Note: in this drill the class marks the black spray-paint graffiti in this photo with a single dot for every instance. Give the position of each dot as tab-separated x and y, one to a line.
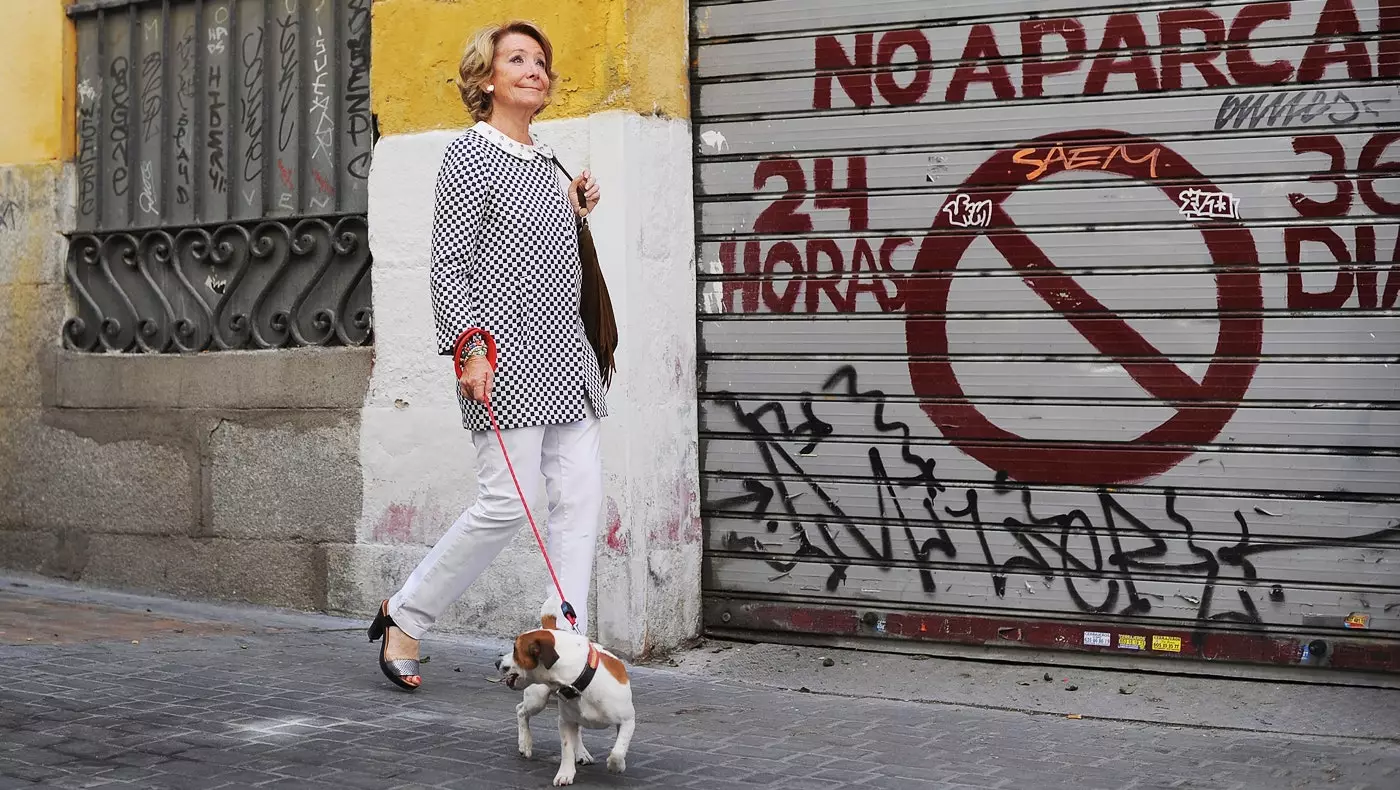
7	214
359	122
914	499
251	109
121	108
1282	110
184	98
287	82
152	95
87	159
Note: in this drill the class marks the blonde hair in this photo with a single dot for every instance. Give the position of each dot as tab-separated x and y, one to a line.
479	59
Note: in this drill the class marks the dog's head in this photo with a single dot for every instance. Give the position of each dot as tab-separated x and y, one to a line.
530	660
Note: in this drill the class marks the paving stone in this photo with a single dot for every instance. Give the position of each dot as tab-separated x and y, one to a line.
309	709
28	772
31	755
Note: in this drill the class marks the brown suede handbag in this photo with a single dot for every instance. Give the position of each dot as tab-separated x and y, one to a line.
595	305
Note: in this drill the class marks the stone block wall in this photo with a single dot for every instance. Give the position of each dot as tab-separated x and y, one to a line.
225	475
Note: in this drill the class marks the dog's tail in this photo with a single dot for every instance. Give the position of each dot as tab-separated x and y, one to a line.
549	613
553	615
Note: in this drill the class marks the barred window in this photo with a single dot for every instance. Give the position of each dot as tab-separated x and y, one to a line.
223	151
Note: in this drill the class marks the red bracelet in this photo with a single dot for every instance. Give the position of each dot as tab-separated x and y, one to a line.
461	343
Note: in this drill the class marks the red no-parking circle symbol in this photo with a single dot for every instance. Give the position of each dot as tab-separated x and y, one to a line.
1240	299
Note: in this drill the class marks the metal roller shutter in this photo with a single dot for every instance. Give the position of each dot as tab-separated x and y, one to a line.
1053	323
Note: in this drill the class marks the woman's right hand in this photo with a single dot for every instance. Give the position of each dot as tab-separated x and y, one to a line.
476	379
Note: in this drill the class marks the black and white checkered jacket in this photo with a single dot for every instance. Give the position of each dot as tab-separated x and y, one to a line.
505	259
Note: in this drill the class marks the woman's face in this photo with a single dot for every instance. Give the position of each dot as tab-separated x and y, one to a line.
518	73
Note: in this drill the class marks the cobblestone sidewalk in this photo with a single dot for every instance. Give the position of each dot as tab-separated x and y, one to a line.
200	705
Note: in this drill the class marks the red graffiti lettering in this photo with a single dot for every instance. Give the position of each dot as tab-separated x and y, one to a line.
857	76
1388	50
1371	162
786	281
816	250
1212	29
1243	67
783	215
1365	270
856	200
1034	69
831	57
893	92
1122	32
1368	164
879	283
1300	299
1356	275
784	252
747	288
1340	204
1192	40
981	49
785	275
1338	18
1392	281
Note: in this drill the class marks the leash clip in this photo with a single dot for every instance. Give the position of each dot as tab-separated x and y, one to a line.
570	615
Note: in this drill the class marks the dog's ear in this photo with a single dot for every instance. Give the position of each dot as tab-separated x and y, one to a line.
535	648
544	650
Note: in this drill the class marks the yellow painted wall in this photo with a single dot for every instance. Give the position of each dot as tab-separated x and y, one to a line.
658	56
609	54
39	47
35	137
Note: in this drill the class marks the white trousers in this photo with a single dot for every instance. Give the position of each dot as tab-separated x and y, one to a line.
567	459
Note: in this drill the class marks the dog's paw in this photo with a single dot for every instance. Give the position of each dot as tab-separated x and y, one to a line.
617	763
526	744
584	758
565	776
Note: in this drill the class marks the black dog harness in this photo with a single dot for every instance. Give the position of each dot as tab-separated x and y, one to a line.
575	690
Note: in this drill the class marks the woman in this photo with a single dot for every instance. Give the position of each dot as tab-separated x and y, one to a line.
505	259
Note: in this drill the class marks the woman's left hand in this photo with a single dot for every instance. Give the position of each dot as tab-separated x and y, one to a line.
590	192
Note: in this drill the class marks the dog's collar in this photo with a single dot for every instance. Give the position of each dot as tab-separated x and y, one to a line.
576	689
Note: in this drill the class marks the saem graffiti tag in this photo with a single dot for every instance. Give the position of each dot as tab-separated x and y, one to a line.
1098	157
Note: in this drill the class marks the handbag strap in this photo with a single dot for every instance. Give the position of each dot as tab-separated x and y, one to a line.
582	200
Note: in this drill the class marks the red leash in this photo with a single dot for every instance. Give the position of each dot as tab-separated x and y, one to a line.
565	607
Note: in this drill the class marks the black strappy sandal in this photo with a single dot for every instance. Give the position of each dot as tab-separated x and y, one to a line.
399	668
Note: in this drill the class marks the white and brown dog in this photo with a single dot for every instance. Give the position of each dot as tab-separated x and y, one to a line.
593	689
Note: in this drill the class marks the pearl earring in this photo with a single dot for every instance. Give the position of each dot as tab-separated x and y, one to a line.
490	88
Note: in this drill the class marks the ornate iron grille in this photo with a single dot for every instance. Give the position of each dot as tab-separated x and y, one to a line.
223	157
